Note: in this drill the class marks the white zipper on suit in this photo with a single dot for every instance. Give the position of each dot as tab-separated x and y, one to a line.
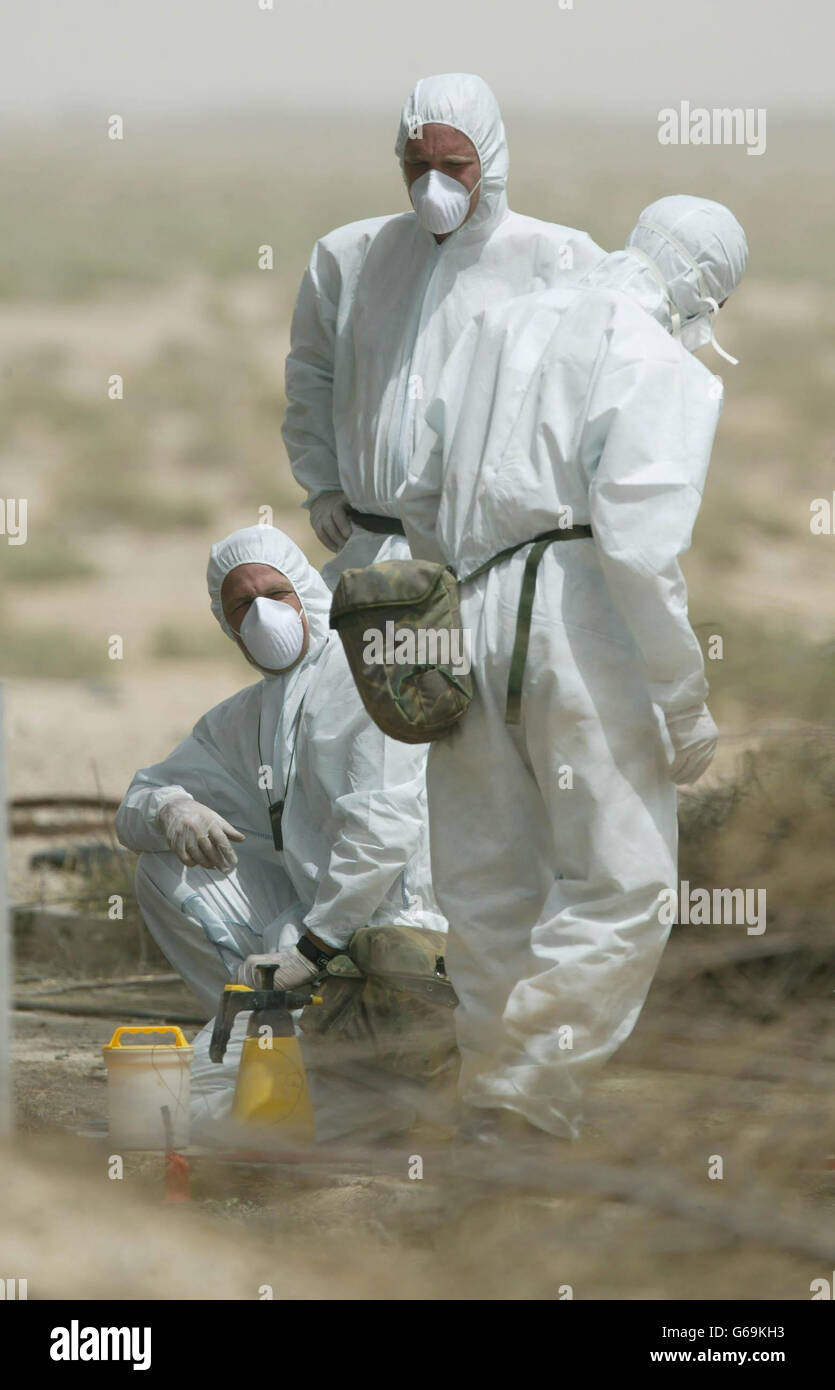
402	456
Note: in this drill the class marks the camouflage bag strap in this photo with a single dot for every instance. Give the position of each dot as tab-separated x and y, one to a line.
513	710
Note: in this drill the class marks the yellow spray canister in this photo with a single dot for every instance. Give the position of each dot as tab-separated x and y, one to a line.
272	1086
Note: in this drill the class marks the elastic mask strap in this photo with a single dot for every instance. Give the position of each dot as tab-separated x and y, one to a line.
675	316
714	310
684	253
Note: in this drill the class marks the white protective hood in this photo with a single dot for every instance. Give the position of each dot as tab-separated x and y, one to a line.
684	256
266	545
465	102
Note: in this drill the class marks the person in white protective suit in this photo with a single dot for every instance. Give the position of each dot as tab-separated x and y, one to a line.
553	838
383	302
295	761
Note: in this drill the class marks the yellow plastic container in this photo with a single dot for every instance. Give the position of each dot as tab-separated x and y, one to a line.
272	1087
142	1077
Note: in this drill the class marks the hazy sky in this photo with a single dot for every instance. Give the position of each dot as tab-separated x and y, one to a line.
129	55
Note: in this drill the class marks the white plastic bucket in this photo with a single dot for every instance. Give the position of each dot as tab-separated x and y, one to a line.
143	1075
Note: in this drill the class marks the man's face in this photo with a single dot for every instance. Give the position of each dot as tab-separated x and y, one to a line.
247	582
450	152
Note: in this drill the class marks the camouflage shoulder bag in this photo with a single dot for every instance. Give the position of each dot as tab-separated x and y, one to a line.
400	625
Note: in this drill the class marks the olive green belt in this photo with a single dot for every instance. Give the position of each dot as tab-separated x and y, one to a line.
523	613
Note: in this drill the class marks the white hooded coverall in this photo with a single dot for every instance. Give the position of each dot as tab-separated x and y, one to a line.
354	824
552	841
381	307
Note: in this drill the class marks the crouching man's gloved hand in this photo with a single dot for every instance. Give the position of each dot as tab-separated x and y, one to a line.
330	520
292	968
693	735
197	834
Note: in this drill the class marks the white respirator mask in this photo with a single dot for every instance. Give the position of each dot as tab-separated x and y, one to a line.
273	633
441	203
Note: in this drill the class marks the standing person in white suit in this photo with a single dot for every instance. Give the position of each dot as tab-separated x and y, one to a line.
286	820
554	835
383	302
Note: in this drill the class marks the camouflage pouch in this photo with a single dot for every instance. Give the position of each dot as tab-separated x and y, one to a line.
341	995
388	1002
407	1001
400	625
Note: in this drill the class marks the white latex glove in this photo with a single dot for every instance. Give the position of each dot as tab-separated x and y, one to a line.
197	834
292	969
330	520
693	735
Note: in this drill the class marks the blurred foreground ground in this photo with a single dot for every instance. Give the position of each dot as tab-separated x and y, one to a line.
348	1230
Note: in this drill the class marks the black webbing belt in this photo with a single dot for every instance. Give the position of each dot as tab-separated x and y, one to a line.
523	613
383	525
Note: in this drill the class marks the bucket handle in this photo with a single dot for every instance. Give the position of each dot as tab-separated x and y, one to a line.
180	1041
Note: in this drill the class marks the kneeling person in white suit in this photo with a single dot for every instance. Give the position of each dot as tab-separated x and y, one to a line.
286	819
